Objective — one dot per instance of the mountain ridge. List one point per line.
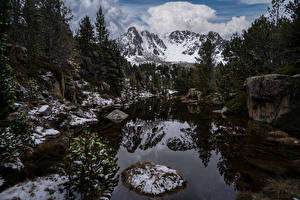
(176, 47)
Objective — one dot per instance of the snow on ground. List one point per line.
(81, 84)
(174, 53)
(152, 179)
(77, 121)
(1, 181)
(171, 91)
(145, 95)
(43, 108)
(94, 99)
(219, 58)
(49, 187)
(48, 76)
(46, 132)
(18, 165)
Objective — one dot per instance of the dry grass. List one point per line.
(278, 134)
(282, 138)
(274, 190)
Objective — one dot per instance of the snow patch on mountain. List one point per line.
(179, 46)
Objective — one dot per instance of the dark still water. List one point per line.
(218, 156)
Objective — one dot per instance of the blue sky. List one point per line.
(163, 16)
(225, 8)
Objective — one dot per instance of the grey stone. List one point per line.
(117, 116)
(271, 96)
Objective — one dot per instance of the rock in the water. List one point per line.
(274, 99)
(117, 116)
(152, 179)
(193, 93)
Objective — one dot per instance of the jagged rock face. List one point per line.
(178, 46)
(272, 98)
(132, 43)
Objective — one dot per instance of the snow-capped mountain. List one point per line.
(178, 46)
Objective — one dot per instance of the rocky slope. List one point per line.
(178, 46)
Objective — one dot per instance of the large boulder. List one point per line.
(117, 116)
(275, 99)
(152, 179)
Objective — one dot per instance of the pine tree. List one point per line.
(290, 34)
(101, 31)
(7, 87)
(113, 72)
(86, 36)
(32, 28)
(4, 17)
(258, 45)
(56, 31)
(205, 68)
(276, 11)
(90, 166)
(16, 21)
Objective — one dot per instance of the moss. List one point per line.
(237, 105)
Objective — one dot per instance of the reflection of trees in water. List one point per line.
(246, 160)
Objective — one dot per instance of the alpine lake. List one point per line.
(219, 156)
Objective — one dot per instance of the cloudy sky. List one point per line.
(163, 16)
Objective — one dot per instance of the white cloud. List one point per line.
(187, 16)
(117, 21)
(250, 2)
(160, 19)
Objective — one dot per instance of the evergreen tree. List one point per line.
(290, 33)
(14, 139)
(90, 166)
(4, 17)
(205, 68)
(56, 31)
(258, 45)
(16, 21)
(33, 36)
(7, 87)
(113, 74)
(101, 31)
(86, 36)
(276, 11)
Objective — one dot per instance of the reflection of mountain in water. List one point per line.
(245, 158)
(142, 134)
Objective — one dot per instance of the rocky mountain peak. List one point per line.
(178, 46)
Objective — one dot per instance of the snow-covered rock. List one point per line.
(43, 109)
(152, 179)
(117, 116)
(177, 47)
(49, 187)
